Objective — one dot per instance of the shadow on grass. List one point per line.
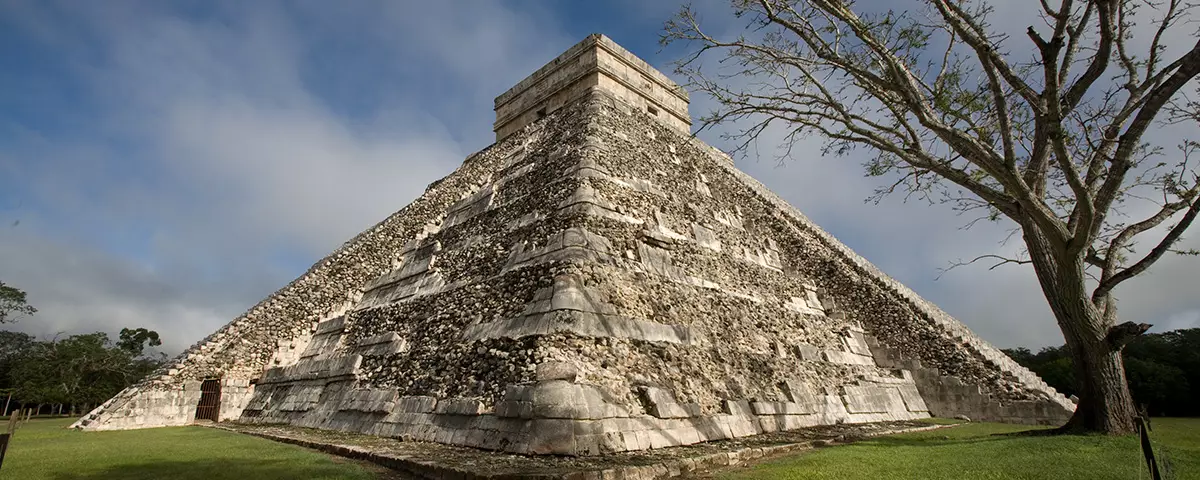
(1049, 432)
(213, 469)
(930, 441)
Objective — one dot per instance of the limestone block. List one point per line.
(558, 399)
(706, 238)
(811, 296)
(729, 219)
(834, 410)
(571, 244)
(808, 353)
(557, 393)
(872, 399)
(661, 403)
(426, 283)
(332, 325)
(798, 305)
(552, 437)
(848, 358)
(417, 262)
(703, 188)
(638, 184)
(515, 173)
(473, 205)
(797, 391)
(658, 261)
(587, 201)
(323, 343)
(569, 293)
(587, 167)
(737, 408)
(743, 426)
(548, 371)
(526, 220)
(308, 369)
(459, 406)
(856, 343)
(912, 398)
(514, 409)
(662, 234)
(584, 324)
(518, 392)
(369, 400)
(901, 377)
(702, 283)
(385, 344)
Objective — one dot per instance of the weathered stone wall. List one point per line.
(144, 407)
(948, 396)
(169, 405)
(558, 309)
(903, 320)
(264, 335)
(750, 219)
(595, 63)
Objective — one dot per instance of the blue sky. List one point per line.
(168, 164)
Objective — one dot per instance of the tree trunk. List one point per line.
(1105, 405)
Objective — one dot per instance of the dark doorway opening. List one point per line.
(209, 407)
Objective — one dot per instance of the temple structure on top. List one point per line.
(596, 281)
(597, 64)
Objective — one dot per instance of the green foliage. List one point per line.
(1164, 389)
(1163, 370)
(83, 370)
(134, 340)
(975, 450)
(46, 450)
(13, 304)
(14, 348)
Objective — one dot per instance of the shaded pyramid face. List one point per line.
(596, 281)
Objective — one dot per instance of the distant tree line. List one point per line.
(1163, 370)
(67, 374)
(72, 374)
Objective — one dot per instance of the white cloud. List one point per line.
(223, 149)
(213, 150)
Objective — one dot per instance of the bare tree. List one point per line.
(1051, 134)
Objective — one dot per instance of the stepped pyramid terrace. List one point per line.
(595, 281)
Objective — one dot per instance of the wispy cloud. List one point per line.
(172, 164)
(222, 153)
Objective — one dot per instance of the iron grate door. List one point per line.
(210, 400)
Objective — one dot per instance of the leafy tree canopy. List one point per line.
(13, 304)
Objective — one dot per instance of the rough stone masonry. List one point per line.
(596, 281)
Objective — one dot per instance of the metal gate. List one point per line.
(209, 407)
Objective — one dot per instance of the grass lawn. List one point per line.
(973, 451)
(44, 449)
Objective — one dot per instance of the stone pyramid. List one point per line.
(595, 281)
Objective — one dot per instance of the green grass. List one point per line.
(974, 451)
(45, 449)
